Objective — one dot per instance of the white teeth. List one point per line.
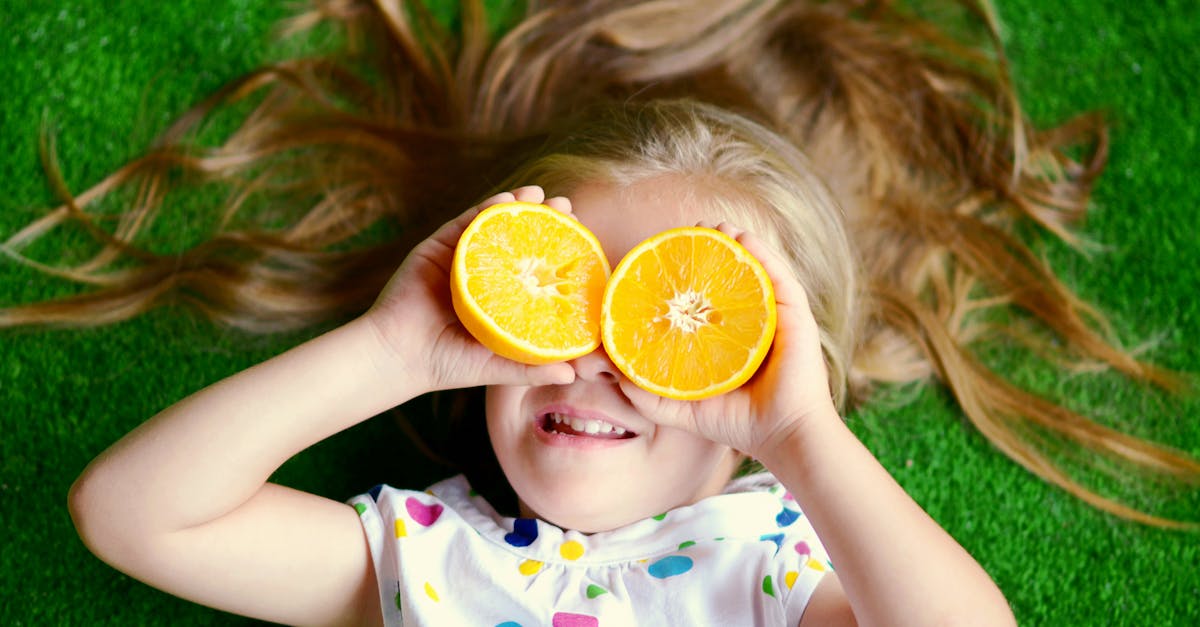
(588, 426)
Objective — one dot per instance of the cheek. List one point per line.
(502, 405)
(697, 461)
(694, 447)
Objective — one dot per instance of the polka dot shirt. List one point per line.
(445, 557)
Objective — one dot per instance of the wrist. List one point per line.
(792, 443)
(390, 359)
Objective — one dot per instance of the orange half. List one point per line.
(688, 314)
(527, 282)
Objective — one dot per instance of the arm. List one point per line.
(895, 565)
(183, 502)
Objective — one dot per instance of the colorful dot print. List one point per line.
(777, 538)
(524, 532)
(422, 514)
(565, 619)
(670, 566)
(803, 549)
(512, 542)
(786, 517)
(571, 550)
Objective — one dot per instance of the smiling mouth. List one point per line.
(563, 424)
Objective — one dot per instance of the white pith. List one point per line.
(688, 311)
(537, 276)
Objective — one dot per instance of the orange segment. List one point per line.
(527, 282)
(688, 314)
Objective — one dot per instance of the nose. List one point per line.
(595, 367)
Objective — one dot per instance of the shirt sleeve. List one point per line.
(799, 564)
(383, 552)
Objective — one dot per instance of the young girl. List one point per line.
(872, 175)
(672, 541)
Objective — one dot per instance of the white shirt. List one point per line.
(444, 557)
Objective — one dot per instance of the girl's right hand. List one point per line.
(420, 331)
(784, 399)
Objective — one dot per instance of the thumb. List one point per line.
(661, 410)
(560, 373)
(508, 372)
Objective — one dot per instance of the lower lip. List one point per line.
(553, 438)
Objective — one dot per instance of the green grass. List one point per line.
(110, 79)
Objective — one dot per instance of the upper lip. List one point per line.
(585, 414)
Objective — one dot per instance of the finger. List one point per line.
(553, 374)
(796, 321)
(788, 290)
(508, 372)
(730, 229)
(790, 295)
(529, 193)
(560, 203)
(661, 411)
(497, 199)
(449, 232)
(646, 403)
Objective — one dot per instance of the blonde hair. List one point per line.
(738, 171)
(888, 154)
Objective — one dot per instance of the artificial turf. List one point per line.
(109, 76)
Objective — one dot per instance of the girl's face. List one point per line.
(607, 479)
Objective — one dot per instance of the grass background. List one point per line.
(111, 77)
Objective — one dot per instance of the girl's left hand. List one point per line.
(790, 387)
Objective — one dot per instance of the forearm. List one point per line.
(896, 564)
(211, 452)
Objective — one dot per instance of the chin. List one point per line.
(584, 509)
(588, 523)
